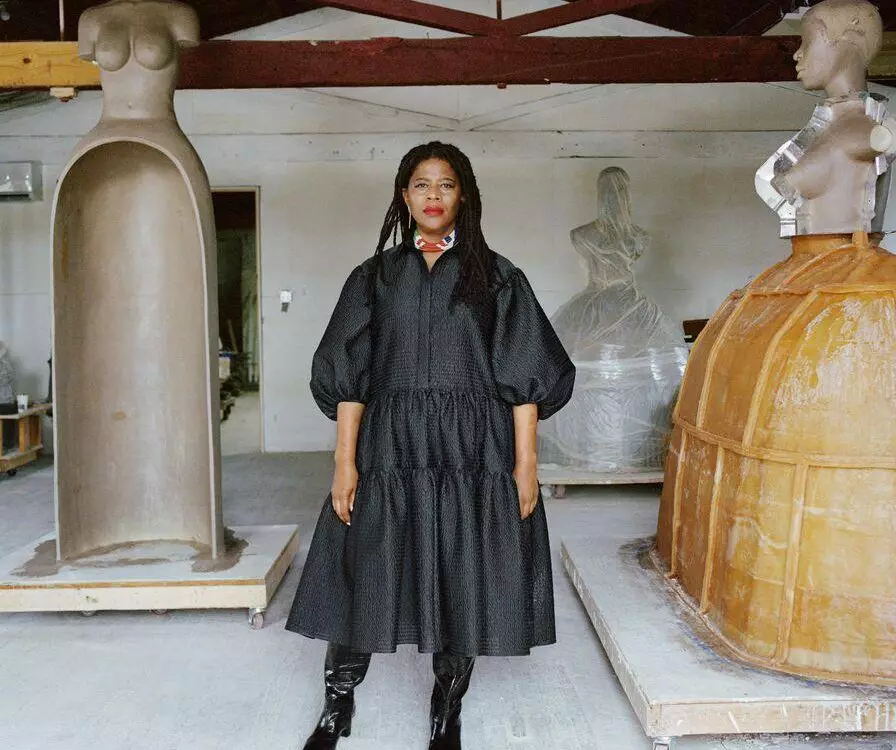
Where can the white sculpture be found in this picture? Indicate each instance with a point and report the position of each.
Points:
(7, 376)
(628, 356)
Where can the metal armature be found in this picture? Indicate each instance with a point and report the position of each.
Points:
(772, 187)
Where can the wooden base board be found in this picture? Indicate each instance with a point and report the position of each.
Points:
(552, 474)
(674, 680)
(150, 575)
(16, 459)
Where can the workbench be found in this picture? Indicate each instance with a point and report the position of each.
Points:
(27, 428)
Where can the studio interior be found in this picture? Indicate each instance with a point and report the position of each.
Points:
(697, 195)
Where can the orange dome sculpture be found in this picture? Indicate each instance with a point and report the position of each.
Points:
(779, 510)
(778, 515)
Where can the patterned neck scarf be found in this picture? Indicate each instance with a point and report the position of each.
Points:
(446, 243)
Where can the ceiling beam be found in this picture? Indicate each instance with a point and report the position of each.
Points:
(30, 19)
(551, 18)
(759, 21)
(221, 17)
(490, 60)
(433, 62)
(39, 19)
(888, 14)
(711, 17)
(422, 14)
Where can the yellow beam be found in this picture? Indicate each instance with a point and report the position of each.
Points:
(43, 65)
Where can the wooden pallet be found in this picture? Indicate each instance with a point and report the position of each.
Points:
(555, 479)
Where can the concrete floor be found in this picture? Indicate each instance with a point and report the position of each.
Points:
(241, 433)
(205, 681)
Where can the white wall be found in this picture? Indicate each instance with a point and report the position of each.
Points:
(325, 167)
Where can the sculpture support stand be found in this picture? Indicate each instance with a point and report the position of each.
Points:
(675, 683)
(153, 576)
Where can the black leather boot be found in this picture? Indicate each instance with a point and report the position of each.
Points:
(452, 680)
(344, 670)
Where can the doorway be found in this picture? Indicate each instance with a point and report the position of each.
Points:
(239, 319)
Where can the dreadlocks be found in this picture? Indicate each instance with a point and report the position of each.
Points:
(477, 261)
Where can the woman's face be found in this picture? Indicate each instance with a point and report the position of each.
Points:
(433, 197)
(817, 58)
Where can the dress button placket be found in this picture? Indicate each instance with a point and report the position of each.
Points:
(423, 344)
(423, 337)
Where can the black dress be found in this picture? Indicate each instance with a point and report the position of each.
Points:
(437, 554)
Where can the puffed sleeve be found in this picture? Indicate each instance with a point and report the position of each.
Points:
(340, 370)
(529, 363)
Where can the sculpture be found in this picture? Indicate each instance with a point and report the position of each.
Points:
(778, 516)
(628, 357)
(135, 335)
(7, 376)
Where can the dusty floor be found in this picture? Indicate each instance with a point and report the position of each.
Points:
(241, 433)
(205, 681)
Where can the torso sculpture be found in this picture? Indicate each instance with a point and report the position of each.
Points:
(778, 516)
(135, 332)
(629, 359)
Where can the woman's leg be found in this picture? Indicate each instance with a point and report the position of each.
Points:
(452, 675)
(344, 670)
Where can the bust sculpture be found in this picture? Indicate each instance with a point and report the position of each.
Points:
(829, 178)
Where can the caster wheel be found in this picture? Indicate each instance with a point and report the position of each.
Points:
(664, 743)
(559, 491)
(88, 613)
(12, 472)
(547, 492)
(160, 611)
(256, 619)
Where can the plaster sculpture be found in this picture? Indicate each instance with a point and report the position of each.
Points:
(778, 516)
(135, 335)
(628, 357)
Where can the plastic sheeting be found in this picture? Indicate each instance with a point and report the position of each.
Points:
(7, 377)
(628, 355)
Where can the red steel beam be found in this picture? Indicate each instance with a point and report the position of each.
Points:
(551, 18)
(489, 60)
(759, 21)
(422, 14)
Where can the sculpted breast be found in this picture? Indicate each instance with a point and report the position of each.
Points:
(113, 47)
(155, 49)
(152, 46)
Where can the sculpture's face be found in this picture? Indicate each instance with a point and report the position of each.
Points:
(818, 58)
(433, 197)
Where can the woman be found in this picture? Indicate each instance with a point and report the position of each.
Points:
(436, 365)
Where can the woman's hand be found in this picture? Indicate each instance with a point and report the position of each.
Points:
(345, 475)
(526, 478)
(345, 483)
(525, 424)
